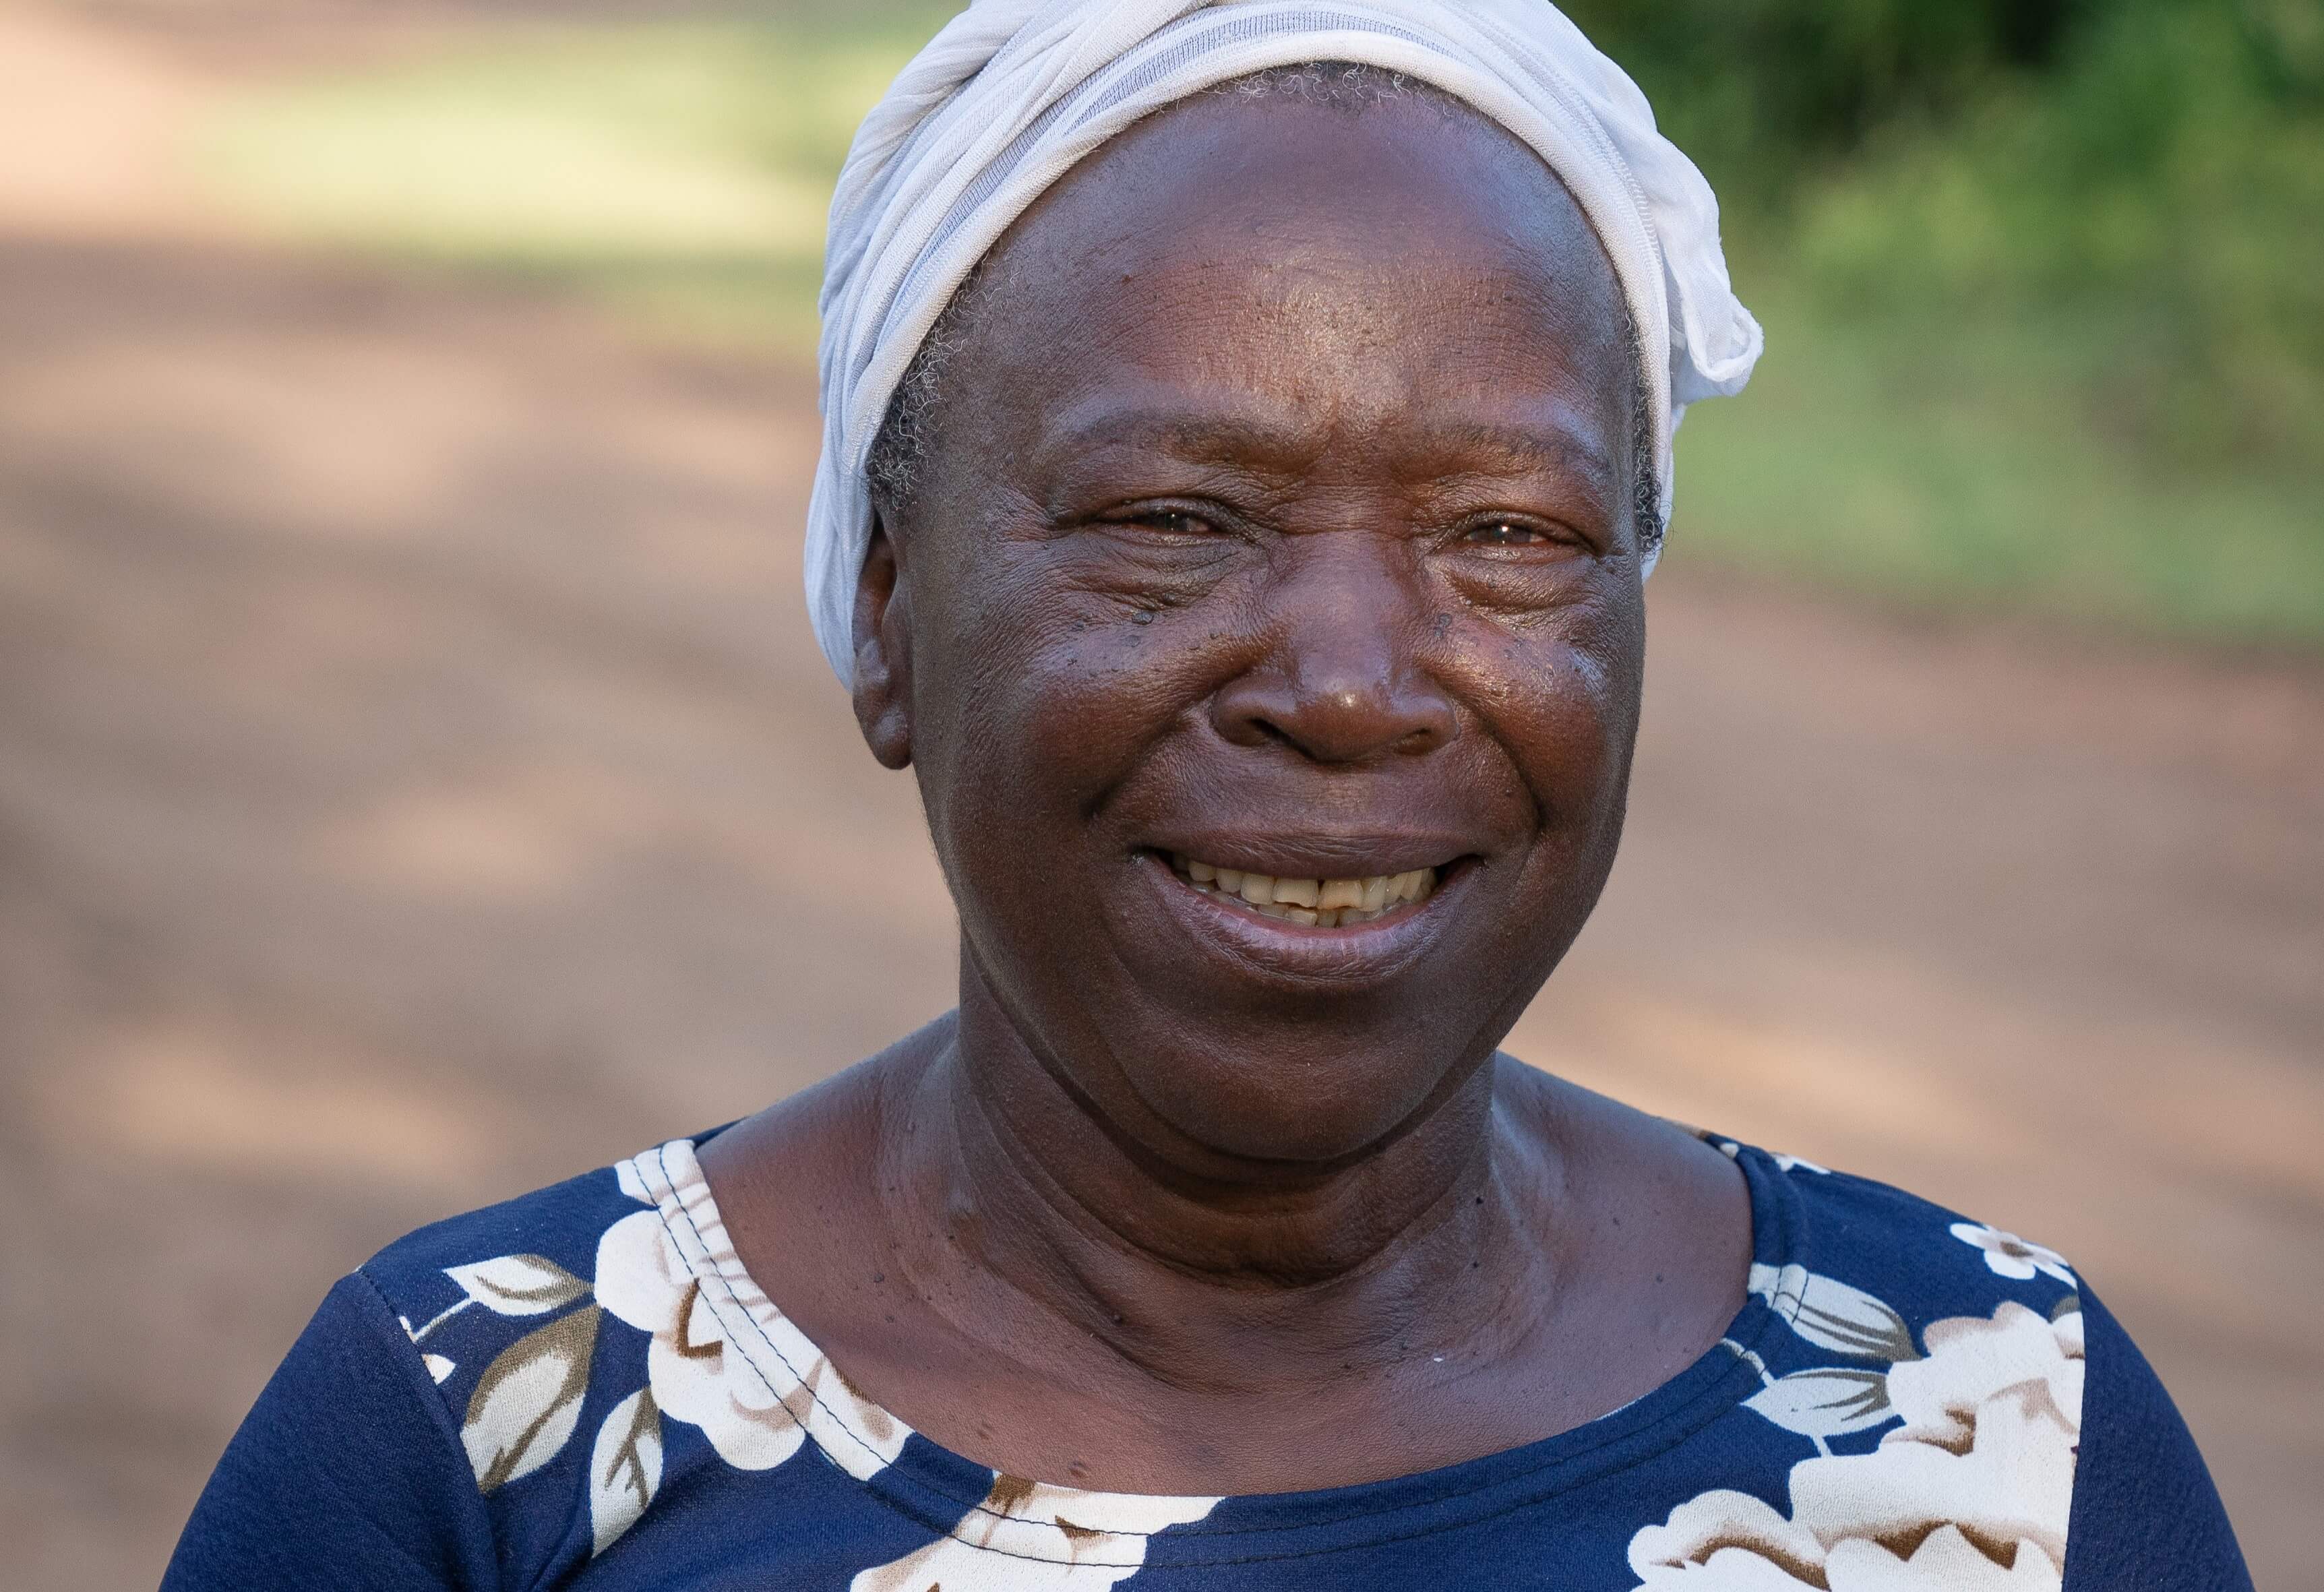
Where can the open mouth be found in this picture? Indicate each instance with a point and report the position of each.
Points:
(1312, 903)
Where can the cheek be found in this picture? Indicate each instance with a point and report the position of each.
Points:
(1561, 704)
(1560, 696)
(1032, 699)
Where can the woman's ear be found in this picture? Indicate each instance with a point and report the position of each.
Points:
(884, 653)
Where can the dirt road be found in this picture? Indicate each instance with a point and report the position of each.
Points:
(417, 783)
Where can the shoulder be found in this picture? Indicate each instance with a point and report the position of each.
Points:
(1986, 1378)
(1930, 1261)
(1918, 1397)
(598, 1343)
(2145, 1511)
(505, 1306)
(520, 1260)
(455, 1359)
(515, 1312)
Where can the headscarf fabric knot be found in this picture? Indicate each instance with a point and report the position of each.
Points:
(1012, 93)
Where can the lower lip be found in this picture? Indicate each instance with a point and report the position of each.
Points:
(1348, 954)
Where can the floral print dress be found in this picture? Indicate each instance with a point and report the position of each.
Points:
(584, 1388)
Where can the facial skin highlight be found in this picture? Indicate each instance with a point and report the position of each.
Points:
(1278, 515)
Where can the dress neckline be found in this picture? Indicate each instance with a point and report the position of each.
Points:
(958, 1496)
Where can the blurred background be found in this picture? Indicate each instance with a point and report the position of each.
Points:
(418, 784)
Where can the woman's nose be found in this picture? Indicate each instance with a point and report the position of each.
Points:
(1343, 681)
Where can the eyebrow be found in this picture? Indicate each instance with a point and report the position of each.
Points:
(1558, 448)
(1483, 448)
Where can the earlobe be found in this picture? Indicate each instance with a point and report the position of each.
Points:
(883, 654)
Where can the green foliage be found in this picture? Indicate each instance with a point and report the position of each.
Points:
(1947, 462)
(1758, 87)
(2046, 320)
(2163, 193)
(2051, 267)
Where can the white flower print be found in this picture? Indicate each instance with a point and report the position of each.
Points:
(722, 1357)
(1945, 1561)
(756, 1401)
(1734, 1151)
(695, 1376)
(1972, 1492)
(526, 1406)
(2012, 1256)
(1027, 1534)
(1726, 1541)
(1973, 1362)
(755, 1409)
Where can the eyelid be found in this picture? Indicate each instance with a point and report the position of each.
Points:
(1557, 531)
(1142, 513)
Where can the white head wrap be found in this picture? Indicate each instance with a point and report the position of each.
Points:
(1013, 93)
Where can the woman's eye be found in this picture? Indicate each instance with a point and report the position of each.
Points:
(1171, 523)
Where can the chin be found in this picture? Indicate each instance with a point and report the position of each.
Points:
(1256, 1101)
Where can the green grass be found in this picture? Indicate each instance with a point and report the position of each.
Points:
(1972, 465)
(680, 171)
(1954, 443)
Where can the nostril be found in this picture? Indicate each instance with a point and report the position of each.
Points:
(1335, 725)
(1268, 731)
(1427, 737)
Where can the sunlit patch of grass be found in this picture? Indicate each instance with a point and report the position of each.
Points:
(682, 170)
(1969, 463)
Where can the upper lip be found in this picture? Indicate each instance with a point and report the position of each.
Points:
(1313, 854)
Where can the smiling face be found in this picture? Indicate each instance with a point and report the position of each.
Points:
(1264, 621)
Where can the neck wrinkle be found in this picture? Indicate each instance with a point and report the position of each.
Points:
(1412, 1252)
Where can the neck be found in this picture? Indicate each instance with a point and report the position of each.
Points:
(1228, 1278)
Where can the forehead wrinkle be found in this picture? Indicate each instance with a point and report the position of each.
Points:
(1242, 441)
(1444, 452)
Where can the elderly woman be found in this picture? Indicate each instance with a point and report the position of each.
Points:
(1249, 432)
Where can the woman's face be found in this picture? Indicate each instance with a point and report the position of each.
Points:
(1277, 522)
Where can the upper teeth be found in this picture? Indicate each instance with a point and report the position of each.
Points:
(1325, 902)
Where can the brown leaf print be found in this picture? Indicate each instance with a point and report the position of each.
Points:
(1008, 1492)
(528, 1402)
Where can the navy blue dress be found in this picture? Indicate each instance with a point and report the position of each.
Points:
(584, 1388)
